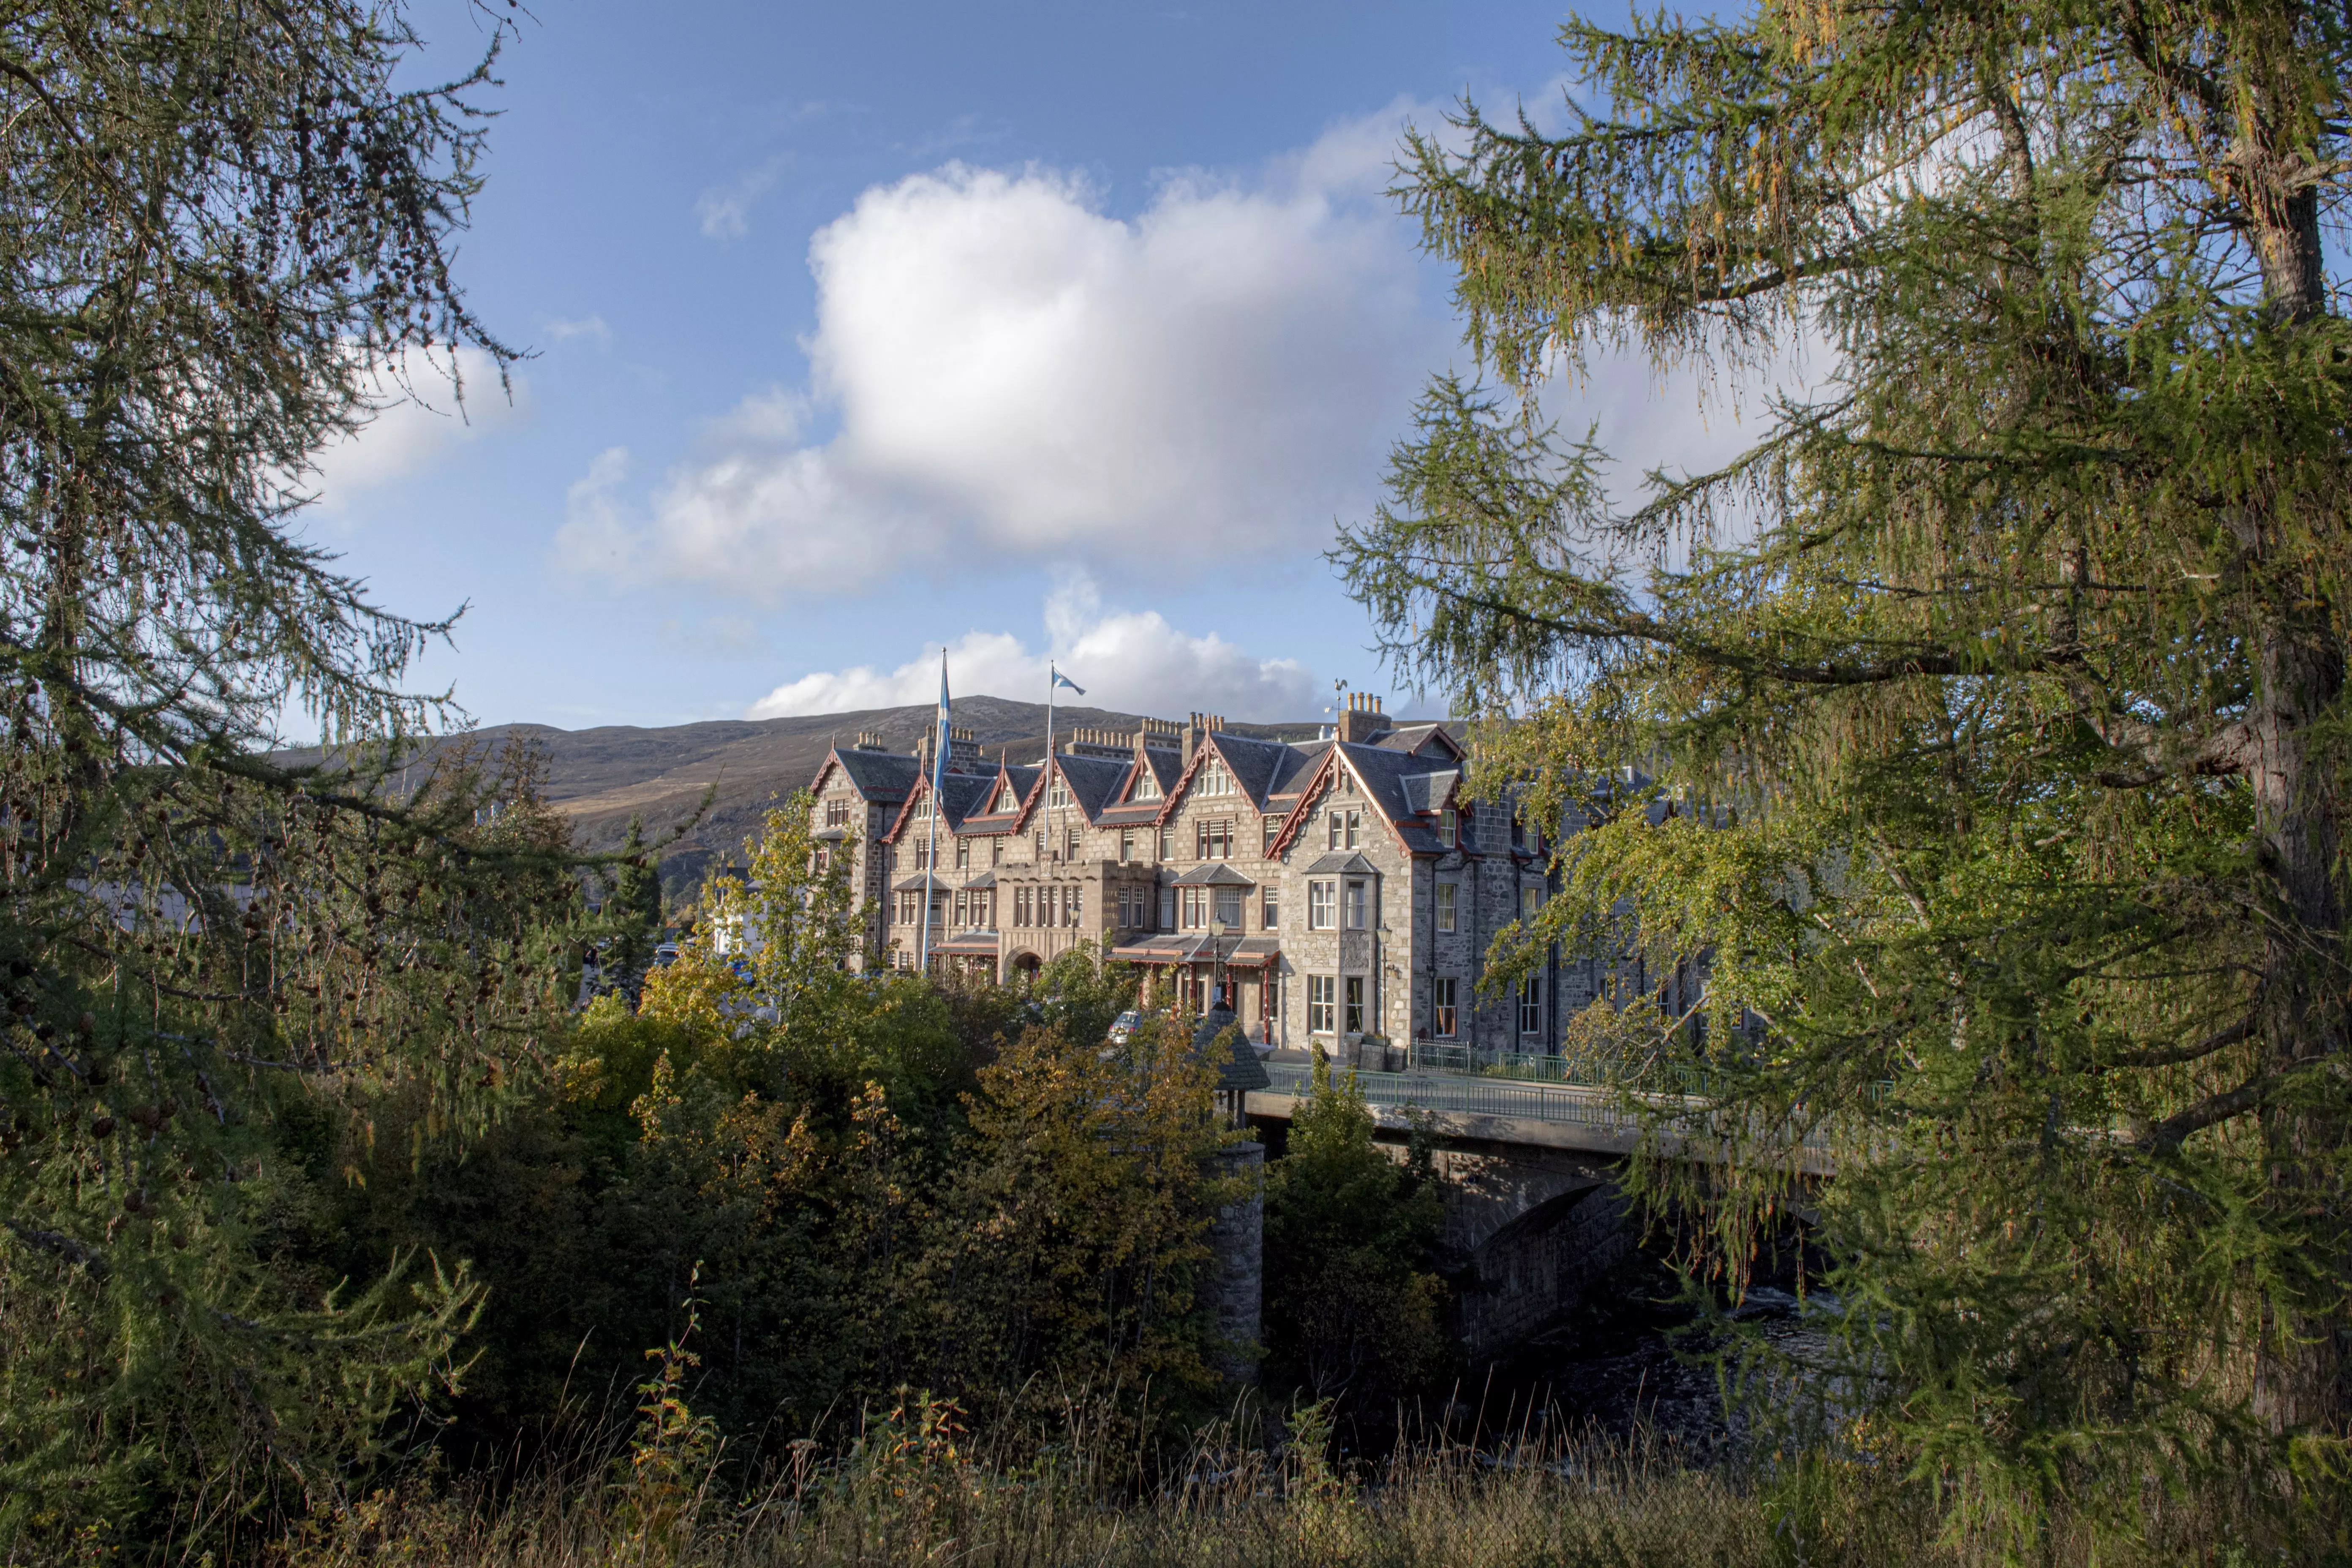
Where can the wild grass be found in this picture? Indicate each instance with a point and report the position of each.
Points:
(908, 1492)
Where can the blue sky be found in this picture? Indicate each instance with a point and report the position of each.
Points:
(861, 330)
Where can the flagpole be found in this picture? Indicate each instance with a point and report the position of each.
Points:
(931, 852)
(1050, 684)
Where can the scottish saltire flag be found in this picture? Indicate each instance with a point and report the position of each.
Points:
(939, 752)
(1061, 680)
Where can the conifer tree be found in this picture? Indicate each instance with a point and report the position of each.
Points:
(224, 241)
(1999, 686)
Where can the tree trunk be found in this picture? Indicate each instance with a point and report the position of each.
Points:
(2303, 1367)
(2307, 1350)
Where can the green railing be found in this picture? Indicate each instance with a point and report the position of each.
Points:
(1582, 1072)
(1468, 1095)
(1606, 1109)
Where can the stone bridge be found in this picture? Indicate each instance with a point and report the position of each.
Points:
(1534, 1216)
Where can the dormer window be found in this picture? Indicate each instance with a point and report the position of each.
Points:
(1058, 794)
(923, 809)
(1446, 828)
(1006, 800)
(1147, 786)
(1214, 779)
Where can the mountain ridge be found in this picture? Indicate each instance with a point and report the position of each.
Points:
(601, 777)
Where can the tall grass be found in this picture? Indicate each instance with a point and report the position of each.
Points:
(911, 1491)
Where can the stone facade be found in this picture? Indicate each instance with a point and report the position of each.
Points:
(1356, 886)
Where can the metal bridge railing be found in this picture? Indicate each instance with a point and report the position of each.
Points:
(1471, 1096)
(1586, 1072)
(1603, 1109)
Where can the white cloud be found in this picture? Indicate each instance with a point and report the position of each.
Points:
(588, 329)
(418, 419)
(998, 365)
(1131, 662)
(724, 211)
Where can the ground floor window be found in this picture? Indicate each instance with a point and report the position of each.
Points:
(1320, 988)
(1531, 1005)
(1443, 1018)
(1355, 1004)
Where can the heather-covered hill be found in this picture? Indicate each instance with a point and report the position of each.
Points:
(601, 777)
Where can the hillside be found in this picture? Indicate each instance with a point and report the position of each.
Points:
(602, 777)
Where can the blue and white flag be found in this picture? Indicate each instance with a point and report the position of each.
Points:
(939, 752)
(1061, 680)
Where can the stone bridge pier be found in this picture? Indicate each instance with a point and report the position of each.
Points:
(1534, 1212)
(1528, 1233)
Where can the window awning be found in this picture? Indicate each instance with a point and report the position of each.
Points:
(917, 883)
(968, 944)
(1199, 947)
(1343, 862)
(1215, 874)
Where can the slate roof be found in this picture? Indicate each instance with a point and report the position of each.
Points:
(1419, 740)
(882, 778)
(1427, 792)
(1214, 874)
(960, 796)
(1166, 767)
(1024, 779)
(1390, 781)
(1342, 862)
(1255, 764)
(1094, 781)
(1299, 761)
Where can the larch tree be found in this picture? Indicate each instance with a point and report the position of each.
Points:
(1999, 686)
(225, 231)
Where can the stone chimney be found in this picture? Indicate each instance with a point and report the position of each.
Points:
(1158, 735)
(1108, 744)
(964, 751)
(1199, 727)
(869, 741)
(1362, 721)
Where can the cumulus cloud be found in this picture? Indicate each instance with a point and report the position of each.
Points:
(1000, 365)
(418, 419)
(1130, 661)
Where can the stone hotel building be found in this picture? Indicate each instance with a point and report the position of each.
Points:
(1342, 888)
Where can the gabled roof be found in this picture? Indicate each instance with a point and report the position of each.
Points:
(960, 796)
(1391, 780)
(1166, 766)
(1094, 784)
(1298, 763)
(1094, 781)
(1255, 764)
(986, 819)
(1431, 792)
(1430, 739)
(883, 778)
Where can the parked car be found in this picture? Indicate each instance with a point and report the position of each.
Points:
(1123, 1028)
